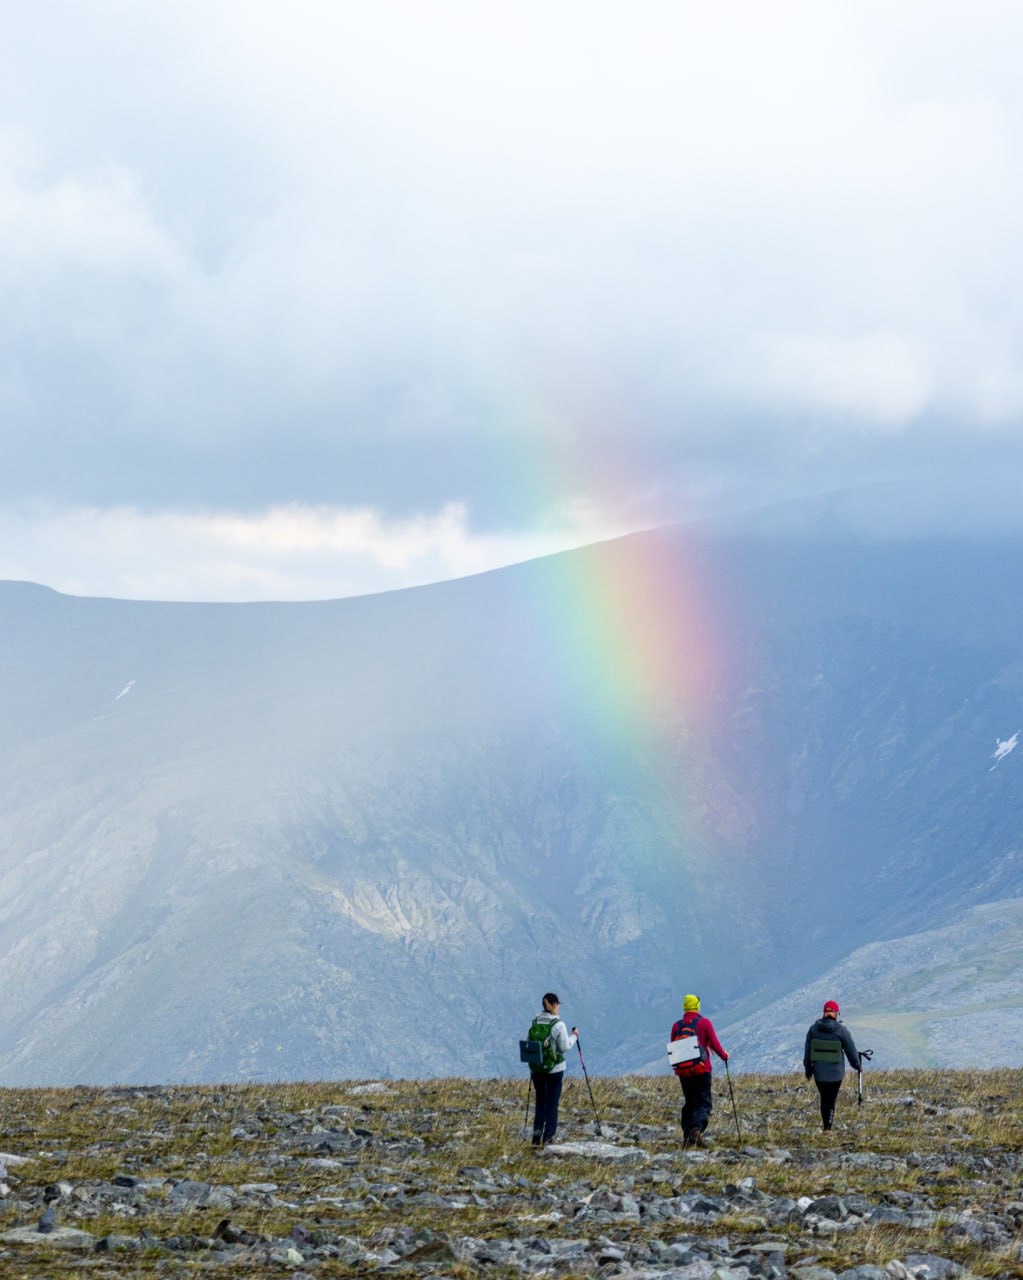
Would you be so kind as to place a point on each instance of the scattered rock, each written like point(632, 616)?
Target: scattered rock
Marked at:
point(57, 1238)
point(629, 1205)
point(926, 1266)
point(595, 1151)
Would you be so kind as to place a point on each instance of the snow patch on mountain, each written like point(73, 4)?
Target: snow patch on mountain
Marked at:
point(1002, 749)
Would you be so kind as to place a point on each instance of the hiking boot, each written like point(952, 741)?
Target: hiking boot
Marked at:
point(695, 1138)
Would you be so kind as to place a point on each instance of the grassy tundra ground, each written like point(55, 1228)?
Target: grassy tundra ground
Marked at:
point(433, 1177)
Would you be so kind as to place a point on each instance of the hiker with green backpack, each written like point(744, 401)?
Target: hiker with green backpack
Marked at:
point(828, 1042)
point(550, 1042)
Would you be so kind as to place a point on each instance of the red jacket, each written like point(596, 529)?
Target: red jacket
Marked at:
point(706, 1038)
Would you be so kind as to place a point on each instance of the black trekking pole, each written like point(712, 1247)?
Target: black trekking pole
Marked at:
point(865, 1054)
point(529, 1089)
point(735, 1113)
point(600, 1132)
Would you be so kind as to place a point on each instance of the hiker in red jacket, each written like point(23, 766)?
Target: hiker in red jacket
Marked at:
point(694, 1075)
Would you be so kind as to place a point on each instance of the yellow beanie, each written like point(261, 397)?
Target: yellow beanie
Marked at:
point(690, 1003)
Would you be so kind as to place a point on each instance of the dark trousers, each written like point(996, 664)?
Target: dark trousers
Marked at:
point(828, 1089)
point(697, 1102)
point(547, 1086)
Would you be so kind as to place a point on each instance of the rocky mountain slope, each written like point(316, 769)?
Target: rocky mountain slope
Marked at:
point(950, 998)
point(360, 837)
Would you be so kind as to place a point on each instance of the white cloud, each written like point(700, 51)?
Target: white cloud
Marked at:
point(284, 553)
point(391, 243)
point(94, 223)
point(476, 196)
point(881, 379)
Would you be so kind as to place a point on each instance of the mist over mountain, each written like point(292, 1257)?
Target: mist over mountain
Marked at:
point(361, 837)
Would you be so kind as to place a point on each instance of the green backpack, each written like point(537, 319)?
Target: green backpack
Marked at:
point(825, 1049)
point(542, 1031)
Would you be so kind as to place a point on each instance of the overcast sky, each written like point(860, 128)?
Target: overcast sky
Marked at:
point(320, 298)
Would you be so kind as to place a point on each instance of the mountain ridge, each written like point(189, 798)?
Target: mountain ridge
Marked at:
point(230, 833)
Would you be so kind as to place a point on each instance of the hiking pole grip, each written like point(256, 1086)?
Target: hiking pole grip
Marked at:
point(865, 1056)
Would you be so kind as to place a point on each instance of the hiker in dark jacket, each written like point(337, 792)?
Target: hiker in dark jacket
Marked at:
point(823, 1061)
point(547, 1083)
point(695, 1076)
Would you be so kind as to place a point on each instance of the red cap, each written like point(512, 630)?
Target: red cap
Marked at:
point(830, 1006)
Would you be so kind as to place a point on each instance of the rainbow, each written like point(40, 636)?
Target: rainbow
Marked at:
point(635, 629)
